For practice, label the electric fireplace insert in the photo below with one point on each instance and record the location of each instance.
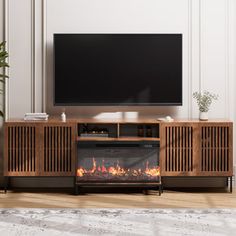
(118, 163)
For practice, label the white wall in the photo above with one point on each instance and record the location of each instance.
(208, 48)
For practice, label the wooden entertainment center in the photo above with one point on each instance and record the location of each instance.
(187, 147)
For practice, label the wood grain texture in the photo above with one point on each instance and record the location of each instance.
(216, 157)
(177, 155)
(54, 120)
(59, 150)
(205, 198)
(21, 152)
(187, 147)
(39, 149)
(196, 149)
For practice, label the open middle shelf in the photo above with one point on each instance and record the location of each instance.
(136, 132)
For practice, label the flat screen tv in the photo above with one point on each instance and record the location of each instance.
(117, 69)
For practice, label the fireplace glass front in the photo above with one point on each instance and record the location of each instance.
(107, 162)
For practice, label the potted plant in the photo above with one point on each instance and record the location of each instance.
(3, 76)
(3, 65)
(204, 100)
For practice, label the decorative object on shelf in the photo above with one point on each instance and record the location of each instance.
(169, 119)
(84, 128)
(63, 116)
(94, 132)
(148, 131)
(36, 116)
(203, 116)
(204, 100)
(3, 66)
(165, 119)
(140, 131)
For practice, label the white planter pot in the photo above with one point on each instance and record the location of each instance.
(203, 116)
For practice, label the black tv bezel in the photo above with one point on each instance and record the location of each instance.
(116, 104)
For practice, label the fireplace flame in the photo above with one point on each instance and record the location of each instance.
(117, 170)
(94, 166)
(104, 169)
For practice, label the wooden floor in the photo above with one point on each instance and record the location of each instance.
(180, 198)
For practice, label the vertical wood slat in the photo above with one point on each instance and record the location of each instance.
(27, 148)
(13, 149)
(58, 148)
(17, 149)
(9, 145)
(216, 158)
(191, 149)
(174, 148)
(203, 143)
(184, 148)
(222, 147)
(45, 166)
(207, 148)
(59, 164)
(179, 149)
(171, 149)
(188, 145)
(33, 150)
(24, 148)
(56, 139)
(64, 147)
(177, 144)
(166, 130)
(187, 148)
(227, 150)
(212, 149)
(21, 150)
(69, 149)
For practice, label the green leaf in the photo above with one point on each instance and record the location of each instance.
(2, 44)
(3, 53)
(1, 113)
(3, 76)
(4, 64)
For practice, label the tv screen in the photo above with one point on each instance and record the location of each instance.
(117, 69)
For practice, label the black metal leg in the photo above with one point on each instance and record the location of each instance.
(160, 189)
(227, 181)
(231, 184)
(145, 191)
(6, 183)
(76, 190)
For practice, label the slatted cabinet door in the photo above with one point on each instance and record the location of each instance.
(216, 157)
(178, 146)
(21, 150)
(58, 150)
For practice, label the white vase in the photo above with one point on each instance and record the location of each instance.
(203, 115)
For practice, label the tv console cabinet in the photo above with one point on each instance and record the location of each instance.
(187, 147)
